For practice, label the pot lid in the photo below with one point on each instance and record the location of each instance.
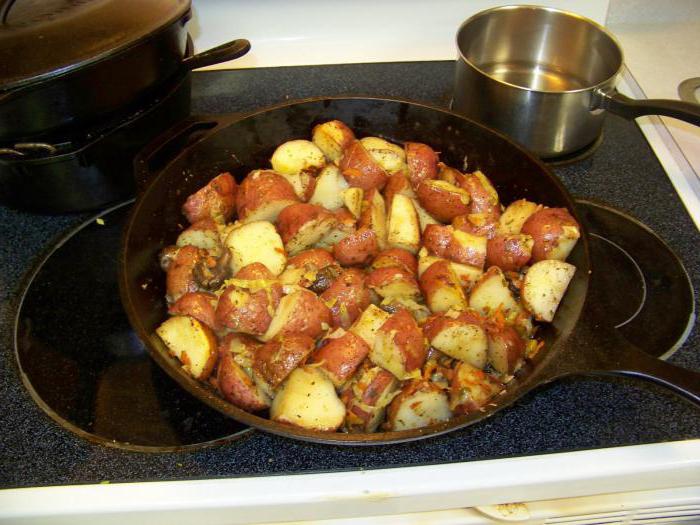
(41, 39)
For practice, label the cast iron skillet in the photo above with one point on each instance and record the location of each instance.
(577, 342)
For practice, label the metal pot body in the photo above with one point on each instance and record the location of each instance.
(535, 74)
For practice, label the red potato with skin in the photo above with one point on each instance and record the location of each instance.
(554, 231)
(420, 404)
(180, 279)
(398, 184)
(455, 245)
(389, 156)
(374, 216)
(276, 359)
(514, 216)
(442, 200)
(302, 269)
(203, 234)
(492, 293)
(234, 379)
(484, 208)
(509, 252)
(340, 354)
(302, 225)
(262, 195)
(393, 282)
(199, 305)
(449, 174)
(422, 162)
(399, 346)
(357, 249)
(441, 288)
(332, 137)
(367, 397)
(216, 200)
(248, 304)
(360, 169)
(506, 348)
(396, 257)
(192, 342)
(300, 312)
(462, 338)
(347, 297)
(345, 225)
(471, 388)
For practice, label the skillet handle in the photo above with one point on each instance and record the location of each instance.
(223, 53)
(596, 348)
(630, 108)
(164, 148)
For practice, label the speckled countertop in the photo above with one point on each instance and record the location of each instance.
(572, 414)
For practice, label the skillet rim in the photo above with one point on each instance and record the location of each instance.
(205, 392)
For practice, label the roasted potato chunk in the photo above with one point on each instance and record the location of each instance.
(192, 342)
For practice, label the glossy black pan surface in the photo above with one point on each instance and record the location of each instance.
(204, 147)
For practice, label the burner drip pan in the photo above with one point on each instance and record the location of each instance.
(85, 367)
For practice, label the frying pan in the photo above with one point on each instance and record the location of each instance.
(579, 341)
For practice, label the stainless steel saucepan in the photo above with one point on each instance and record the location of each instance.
(546, 78)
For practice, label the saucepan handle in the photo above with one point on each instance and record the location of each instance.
(630, 108)
(164, 148)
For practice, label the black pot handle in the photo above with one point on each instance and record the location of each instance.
(596, 348)
(223, 53)
(164, 148)
(630, 108)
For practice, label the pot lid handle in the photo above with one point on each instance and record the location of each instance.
(218, 54)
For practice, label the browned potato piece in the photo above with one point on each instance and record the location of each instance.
(369, 323)
(262, 195)
(420, 404)
(441, 288)
(203, 234)
(449, 174)
(193, 343)
(403, 226)
(509, 252)
(467, 275)
(544, 287)
(347, 298)
(332, 138)
(298, 156)
(308, 400)
(180, 276)
(492, 293)
(233, 380)
(216, 200)
(302, 225)
(328, 188)
(458, 337)
(398, 184)
(367, 397)
(392, 282)
(471, 388)
(276, 359)
(374, 215)
(555, 233)
(422, 162)
(345, 225)
(299, 312)
(256, 241)
(358, 248)
(506, 348)
(442, 200)
(360, 169)
(396, 257)
(455, 245)
(399, 346)
(484, 209)
(302, 269)
(340, 354)
(247, 305)
(389, 156)
(199, 305)
(352, 198)
(514, 216)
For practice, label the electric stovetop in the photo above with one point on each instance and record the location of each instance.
(84, 404)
